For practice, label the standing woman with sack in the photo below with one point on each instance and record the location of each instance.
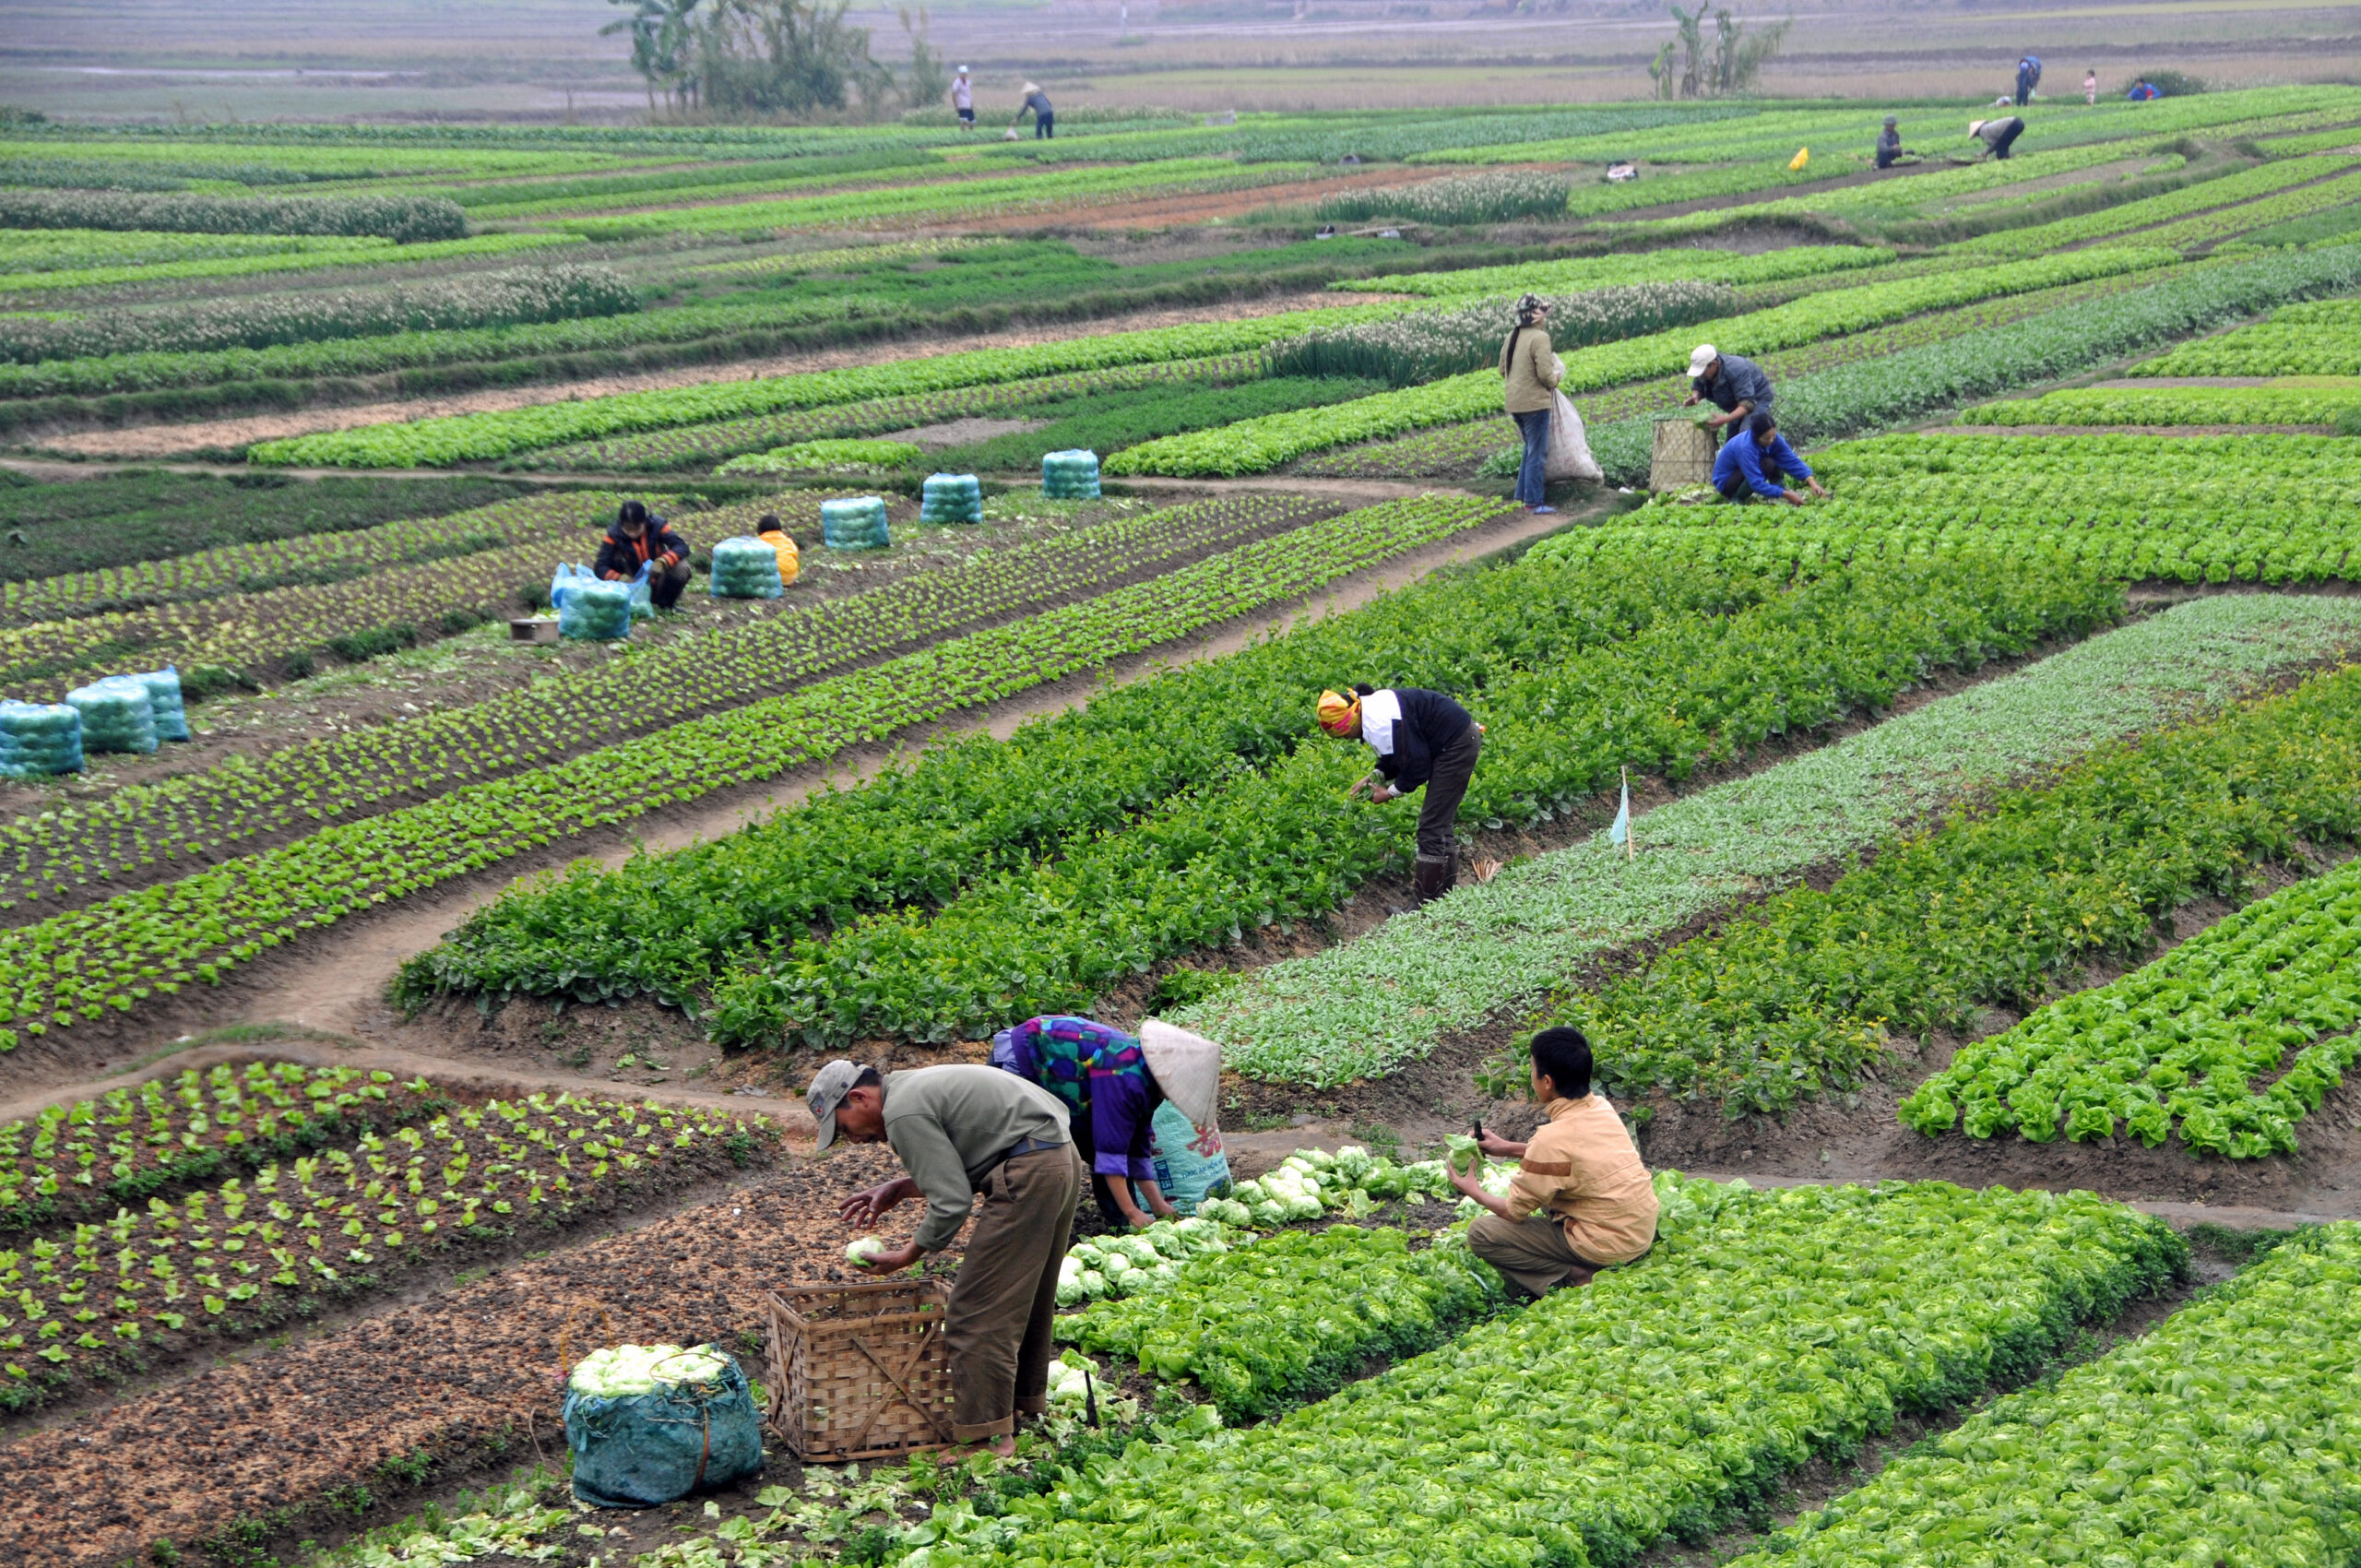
(1532, 374)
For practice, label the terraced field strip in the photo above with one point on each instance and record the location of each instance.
(488, 437)
(1259, 445)
(1709, 667)
(1363, 1008)
(147, 833)
(1451, 449)
(2211, 508)
(2223, 1434)
(111, 957)
(1809, 991)
(1763, 1330)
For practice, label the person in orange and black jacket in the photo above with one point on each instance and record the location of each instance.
(641, 539)
(1421, 739)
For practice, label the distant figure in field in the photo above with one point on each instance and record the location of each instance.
(962, 99)
(1890, 149)
(2028, 79)
(641, 538)
(1044, 122)
(2091, 88)
(2142, 90)
(1998, 136)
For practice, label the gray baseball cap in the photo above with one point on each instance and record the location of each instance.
(829, 1087)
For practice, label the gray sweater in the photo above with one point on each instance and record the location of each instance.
(950, 1125)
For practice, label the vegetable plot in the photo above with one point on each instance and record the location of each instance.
(239, 1257)
(2185, 1040)
(460, 439)
(2174, 404)
(1286, 842)
(1361, 1008)
(1998, 907)
(1667, 1396)
(1258, 446)
(78, 1160)
(114, 956)
(141, 832)
(1290, 1317)
(2225, 1434)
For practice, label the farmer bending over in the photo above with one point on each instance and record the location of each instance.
(1756, 459)
(639, 538)
(1732, 383)
(961, 1131)
(1110, 1084)
(1581, 1201)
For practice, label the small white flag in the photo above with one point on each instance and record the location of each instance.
(1620, 832)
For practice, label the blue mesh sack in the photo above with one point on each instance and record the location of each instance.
(596, 612)
(855, 524)
(165, 701)
(1069, 476)
(116, 716)
(661, 1424)
(569, 574)
(952, 498)
(744, 568)
(38, 738)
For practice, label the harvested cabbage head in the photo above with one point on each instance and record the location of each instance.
(861, 1251)
(1466, 1154)
(625, 1370)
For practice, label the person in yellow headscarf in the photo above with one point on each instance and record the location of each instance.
(1421, 738)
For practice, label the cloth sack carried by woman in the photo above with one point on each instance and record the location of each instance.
(1569, 455)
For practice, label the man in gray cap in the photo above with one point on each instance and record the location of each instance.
(1890, 149)
(961, 1131)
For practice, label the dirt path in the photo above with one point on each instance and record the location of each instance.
(335, 985)
(150, 441)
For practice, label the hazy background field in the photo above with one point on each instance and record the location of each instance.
(544, 60)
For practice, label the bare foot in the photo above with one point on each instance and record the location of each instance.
(1002, 1447)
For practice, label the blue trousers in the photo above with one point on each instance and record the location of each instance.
(1532, 478)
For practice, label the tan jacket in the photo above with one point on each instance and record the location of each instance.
(1582, 1168)
(1533, 374)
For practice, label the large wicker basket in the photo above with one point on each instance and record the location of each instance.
(1683, 456)
(859, 1372)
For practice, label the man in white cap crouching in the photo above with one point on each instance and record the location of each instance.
(962, 1130)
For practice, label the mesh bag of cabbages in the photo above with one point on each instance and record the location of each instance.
(652, 1423)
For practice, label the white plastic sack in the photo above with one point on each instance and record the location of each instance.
(1569, 455)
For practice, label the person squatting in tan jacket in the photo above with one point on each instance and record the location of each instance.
(1582, 1199)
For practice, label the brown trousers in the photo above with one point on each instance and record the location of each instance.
(1533, 1252)
(997, 1331)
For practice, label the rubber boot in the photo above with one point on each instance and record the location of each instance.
(1431, 879)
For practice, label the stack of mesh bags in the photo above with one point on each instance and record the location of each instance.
(1069, 476)
(40, 738)
(116, 715)
(855, 524)
(163, 688)
(744, 568)
(596, 612)
(952, 498)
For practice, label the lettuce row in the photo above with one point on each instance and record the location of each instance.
(1764, 1329)
(1292, 1316)
(2185, 1040)
(2226, 1434)
(2177, 405)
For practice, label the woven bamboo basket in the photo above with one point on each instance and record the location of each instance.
(1683, 456)
(860, 1372)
